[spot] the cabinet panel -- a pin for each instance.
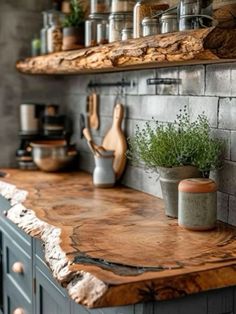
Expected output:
(49, 299)
(14, 299)
(17, 266)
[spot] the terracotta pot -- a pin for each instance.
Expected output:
(169, 179)
(73, 37)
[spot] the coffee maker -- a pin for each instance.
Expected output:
(39, 122)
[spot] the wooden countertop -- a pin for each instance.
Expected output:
(113, 247)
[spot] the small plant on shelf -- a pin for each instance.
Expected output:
(73, 27)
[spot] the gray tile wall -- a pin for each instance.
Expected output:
(210, 89)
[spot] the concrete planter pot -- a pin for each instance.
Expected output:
(73, 37)
(169, 179)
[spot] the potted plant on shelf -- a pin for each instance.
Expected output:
(73, 27)
(180, 150)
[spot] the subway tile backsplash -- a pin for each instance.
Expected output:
(207, 89)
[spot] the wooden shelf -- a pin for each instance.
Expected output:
(113, 247)
(203, 46)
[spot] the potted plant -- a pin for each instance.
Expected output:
(180, 150)
(73, 27)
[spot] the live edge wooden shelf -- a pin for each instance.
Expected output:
(202, 46)
(113, 247)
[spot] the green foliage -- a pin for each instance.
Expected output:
(76, 16)
(176, 144)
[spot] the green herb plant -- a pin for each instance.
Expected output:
(183, 142)
(76, 16)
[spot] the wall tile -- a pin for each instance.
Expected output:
(133, 177)
(143, 88)
(226, 178)
(206, 105)
(232, 210)
(233, 78)
(222, 206)
(162, 108)
(218, 80)
(225, 136)
(192, 80)
(172, 89)
(233, 146)
(227, 113)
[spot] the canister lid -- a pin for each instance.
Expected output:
(197, 185)
(149, 20)
(168, 16)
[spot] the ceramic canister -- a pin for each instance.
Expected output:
(197, 204)
(103, 174)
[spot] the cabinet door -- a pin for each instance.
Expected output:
(49, 299)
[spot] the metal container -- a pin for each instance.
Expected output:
(169, 23)
(52, 156)
(197, 204)
(150, 26)
(30, 115)
(189, 10)
(117, 22)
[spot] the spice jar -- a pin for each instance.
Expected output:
(117, 22)
(43, 34)
(169, 23)
(100, 6)
(122, 6)
(146, 8)
(197, 204)
(91, 28)
(54, 33)
(150, 26)
(126, 33)
(102, 33)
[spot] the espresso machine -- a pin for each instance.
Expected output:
(40, 122)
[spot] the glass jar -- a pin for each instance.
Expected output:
(91, 28)
(188, 14)
(100, 6)
(54, 33)
(117, 22)
(126, 33)
(43, 34)
(150, 26)
(102, 33)
(146, 8)
(122, 6)
(169, 23)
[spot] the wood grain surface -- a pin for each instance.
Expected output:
(209, 44)
(113, 247)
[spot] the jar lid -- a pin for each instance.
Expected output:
(120, 15)
(197, 185)
(127, 31)
(149, 20)
(98, 16)
(168, 16)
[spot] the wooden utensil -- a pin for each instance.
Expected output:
(115, 140)
(93, 111)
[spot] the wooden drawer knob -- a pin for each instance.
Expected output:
(19, 311)
(18, 268)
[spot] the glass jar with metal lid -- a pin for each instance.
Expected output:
(54, 33)
(117, 22)
(150, 26)
(169, 23)
(91, 28)
(102, 32)
(122, 6)
(146, 8)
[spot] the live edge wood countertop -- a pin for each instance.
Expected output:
(113, 247)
